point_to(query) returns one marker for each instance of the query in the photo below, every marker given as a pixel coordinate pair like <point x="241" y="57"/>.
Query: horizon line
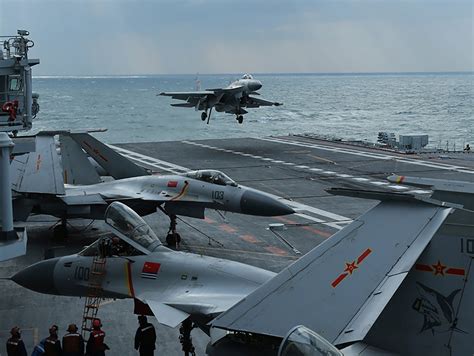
<point x="255" y="73"/>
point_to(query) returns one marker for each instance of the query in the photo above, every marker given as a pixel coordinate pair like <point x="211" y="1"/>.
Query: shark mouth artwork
<point x="438" y="311"/>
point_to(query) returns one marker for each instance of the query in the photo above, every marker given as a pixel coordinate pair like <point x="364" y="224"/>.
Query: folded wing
<point x="340" y="287"/>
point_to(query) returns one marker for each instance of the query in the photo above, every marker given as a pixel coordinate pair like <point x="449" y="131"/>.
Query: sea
<point x="345" y="106"/>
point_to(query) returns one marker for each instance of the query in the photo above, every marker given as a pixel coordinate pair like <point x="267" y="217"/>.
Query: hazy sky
<point x="81" y="37"/>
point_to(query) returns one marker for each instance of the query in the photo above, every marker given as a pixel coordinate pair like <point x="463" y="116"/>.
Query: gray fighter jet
<point x="231" y="99"/>
<point x="396" y="281"/>
<point x="172" y="285"/>
<point x="38" y="184"/>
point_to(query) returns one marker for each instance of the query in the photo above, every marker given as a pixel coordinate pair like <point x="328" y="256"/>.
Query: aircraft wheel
<point x="203" y="116"/>
<point x="240" y="119"/>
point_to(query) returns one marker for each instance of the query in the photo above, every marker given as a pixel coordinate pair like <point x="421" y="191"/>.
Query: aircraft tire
<point x="203" y="116"/>
<point x="240" y="119"/>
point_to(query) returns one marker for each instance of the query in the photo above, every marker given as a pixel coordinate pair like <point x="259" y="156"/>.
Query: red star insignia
<point x="350" y="267"/>
<point x="439" y="268"/>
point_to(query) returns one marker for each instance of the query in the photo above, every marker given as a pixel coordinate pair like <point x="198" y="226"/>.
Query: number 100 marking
<point x="467" y="246"/>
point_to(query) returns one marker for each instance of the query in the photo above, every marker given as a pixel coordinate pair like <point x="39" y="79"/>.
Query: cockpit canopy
<point x="131" y="235"/>
<point x="211" y="176"/>
<point x="247" y="76"/>
<point x="131" y="227"/>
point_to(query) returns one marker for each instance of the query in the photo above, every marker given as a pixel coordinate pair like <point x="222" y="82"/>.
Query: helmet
<point x="53" y="329"/>
<point x="72" y="328"/>
<point x="96" y="323"/>
<point x="15" y="331"/>
<point x="142" y="319"/>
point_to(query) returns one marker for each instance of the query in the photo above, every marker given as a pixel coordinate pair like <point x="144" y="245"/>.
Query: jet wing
<point x="165" y="314"/>
<point x="458" y="192"/>
<point x="77" y="169"/>
<point x="39" y="171"/>
<point x="257" y="102"/>
<point x="340" y="287"/>
<point x="189" y="95"/>
<point x="113" y="162"/>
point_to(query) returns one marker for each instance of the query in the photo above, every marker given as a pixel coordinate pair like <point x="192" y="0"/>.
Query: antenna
<point x="197" y="82"/>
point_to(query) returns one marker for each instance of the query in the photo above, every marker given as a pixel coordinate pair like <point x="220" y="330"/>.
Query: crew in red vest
<point x="96" y="345"/>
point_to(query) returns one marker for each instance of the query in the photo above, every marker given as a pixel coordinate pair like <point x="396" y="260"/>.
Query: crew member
<point x="145" y="337"/>
<point x="52" y="345"/>
<point x="467" y="148"/>
<point x="73" y="343"/>
<point x="15" y="345"/>
<point x="185" y="337"/>
<point x="96" y="345"/>
<point x="173" y="239"/>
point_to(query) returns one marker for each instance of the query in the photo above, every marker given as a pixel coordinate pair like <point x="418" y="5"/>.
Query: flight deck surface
<point x="297" y="169"/>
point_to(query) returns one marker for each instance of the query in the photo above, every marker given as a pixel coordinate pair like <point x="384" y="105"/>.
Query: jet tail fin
<point x="77" y="169"/>
<point x="113" y="162"/>
<point x="39" y="171"/>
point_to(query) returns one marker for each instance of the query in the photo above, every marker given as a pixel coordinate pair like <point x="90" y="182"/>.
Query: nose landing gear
<point x="240" y="118"/>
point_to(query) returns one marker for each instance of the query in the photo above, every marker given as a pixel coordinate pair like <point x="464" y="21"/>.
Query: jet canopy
<point x="131" y="228"/>
<point x="211" y="176"/>
<point x="301" y="341"/>
<point x="247" y="76"/>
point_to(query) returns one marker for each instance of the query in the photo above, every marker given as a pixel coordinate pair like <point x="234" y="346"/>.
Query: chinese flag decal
<point x="150" y="270"/>
<point x="351" y="267"/>
<point x="172" y="184"/>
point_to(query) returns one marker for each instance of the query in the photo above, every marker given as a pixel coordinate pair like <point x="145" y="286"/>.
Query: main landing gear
<point x="205" y="116"/>
<point x="240" y="118"/>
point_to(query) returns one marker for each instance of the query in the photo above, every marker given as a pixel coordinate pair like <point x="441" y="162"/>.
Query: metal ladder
<point x="94" y="294"/>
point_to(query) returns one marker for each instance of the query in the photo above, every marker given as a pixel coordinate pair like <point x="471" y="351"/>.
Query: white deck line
<point x="371" y="155"/>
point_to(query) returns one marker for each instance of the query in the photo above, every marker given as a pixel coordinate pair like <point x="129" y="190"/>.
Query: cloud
<point x="212" y="36"/>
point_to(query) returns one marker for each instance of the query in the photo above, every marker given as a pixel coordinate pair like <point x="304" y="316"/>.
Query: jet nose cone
<point x="256" y="203"/>
<point x="38" y="277"/>
<point x="257" y="85"/>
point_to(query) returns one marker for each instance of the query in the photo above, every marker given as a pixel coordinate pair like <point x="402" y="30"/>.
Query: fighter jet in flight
<point x="169" y="284"/>
<point x="38" y="184"/>
<point x="231" y="99"/>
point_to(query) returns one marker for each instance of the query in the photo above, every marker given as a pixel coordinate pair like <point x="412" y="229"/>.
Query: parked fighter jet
<point x="231" y="99"/>
<point x="393" y="282"/>
<point x="39" y="188"/>
<point x="172" y="285"/>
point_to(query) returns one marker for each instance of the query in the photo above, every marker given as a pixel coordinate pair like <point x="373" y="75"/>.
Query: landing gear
<point x="185" y="338"/>
<point x="173" y="238"/>
<point x="240" y="118"/>
<point x="205" y="116"/>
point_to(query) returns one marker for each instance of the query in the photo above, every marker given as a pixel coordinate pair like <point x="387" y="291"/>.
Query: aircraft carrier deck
<point x="295" y="168"/>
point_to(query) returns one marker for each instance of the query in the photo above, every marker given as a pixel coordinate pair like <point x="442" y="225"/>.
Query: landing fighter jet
<point x="169" y="284"/>
<point x="396" y="281"/>
<point x="231" y="99"/>
<point x="38" y="184"/>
